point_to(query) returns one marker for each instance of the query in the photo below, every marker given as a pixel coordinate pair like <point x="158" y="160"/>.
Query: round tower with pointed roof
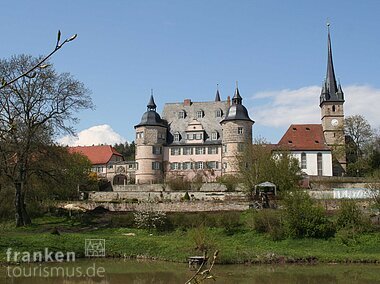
<point x="237" y="132"/>
<point x="150" y="139"/>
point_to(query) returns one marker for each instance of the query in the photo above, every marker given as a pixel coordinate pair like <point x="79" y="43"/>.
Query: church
<point x="203" y="138"/>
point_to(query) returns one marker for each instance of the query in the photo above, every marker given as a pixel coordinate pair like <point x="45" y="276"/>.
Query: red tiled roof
<point x="96" y="154"/>
<point x="304" y="137"/>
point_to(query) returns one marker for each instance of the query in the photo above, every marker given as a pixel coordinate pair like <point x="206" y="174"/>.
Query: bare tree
<point x="33" y="110"/>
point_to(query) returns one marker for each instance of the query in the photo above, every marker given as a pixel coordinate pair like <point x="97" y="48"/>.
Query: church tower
<point x="237" y="131"/>
<point x="332" y="114"/>
<point x="150" y="139"/>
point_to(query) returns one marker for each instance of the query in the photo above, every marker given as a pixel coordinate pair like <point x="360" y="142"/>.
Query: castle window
<point x="189" y="136"/>
<point x="319" y="164"/>
<point x="200" y="114"/>
<point x="294" y="128"/>
<point x="212" y="150"/>
<point x="156" y="165"/>
<point x="218" y="113"/>
<point x="214" y="135"/>
<point x="199" y="165"/>
<point x="199" y="150"/>
<point x="212" y="165"/>
<point x="177" y="137"/>
<point x="224" y="165"/>
<point x="187" y="150"/>
<point x="139" y="135"/>
<point x="187" y="166"/>
<point x="161" y="135"/>
<point x="157" y="150"/>
<point x="175" y="166"/>
<point x="240" y="130"/>
<point x="224" y="148"/>
<point x="303" y="161"/>
<point x="175" y="151"/>
<point x="199" y="136"/>
<point x="307" y="129"/>
<point x="333" y="108"/>
<point x="182" y="114"/>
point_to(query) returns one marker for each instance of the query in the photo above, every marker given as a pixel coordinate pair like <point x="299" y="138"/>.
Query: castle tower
<point x="150" y="138"/>
<point x="332" y="114"/>
<point x="237" y="132"/>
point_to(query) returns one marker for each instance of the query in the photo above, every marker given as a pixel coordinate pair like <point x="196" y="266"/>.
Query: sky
<point x="276" y="50"/>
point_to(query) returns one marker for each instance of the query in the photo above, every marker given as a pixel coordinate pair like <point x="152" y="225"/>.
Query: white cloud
<point x="284" y="107"/>
<point x="95" y="135"/>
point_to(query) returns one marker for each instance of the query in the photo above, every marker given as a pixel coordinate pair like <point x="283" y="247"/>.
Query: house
<point x="307" y="143"/>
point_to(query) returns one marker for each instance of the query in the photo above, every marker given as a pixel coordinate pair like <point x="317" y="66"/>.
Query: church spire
<point x="151" y="104"/>
<point x="330" y="74"/>
<point x="330" y="90"/>
<point x="217" y="96"/>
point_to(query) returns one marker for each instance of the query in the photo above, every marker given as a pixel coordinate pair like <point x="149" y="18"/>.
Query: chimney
<point x="187" y="102"/>
<point x="228" y="100"/>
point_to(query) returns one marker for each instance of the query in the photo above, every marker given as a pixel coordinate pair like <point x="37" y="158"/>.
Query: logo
<point x="95" y="248"/>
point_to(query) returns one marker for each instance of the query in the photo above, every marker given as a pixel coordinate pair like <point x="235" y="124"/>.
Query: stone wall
<point x="163" y="187"/>
<point x="165" y="196"/>
<point x="189" y="206"/>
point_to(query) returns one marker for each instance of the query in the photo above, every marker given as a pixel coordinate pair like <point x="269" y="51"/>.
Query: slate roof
<point x="151" y="117"/>
<point x="98" y="155"/>
<point x="209" y="121"/>
<point x="304" y="137"/>
<point x="331" y="91"/>
<point x="237" y="111"/>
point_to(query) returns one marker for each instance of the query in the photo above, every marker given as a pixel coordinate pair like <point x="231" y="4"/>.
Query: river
<point x="104" y="271"/>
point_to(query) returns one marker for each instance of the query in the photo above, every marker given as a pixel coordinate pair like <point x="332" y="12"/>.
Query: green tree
<point x="33" y="110"/>
<point x="260" y="162"/>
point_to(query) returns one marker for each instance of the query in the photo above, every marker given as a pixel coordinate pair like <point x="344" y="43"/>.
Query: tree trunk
<point x="25" y="215"/>
<point x="19" y="205"/>
<point x="22" y="216"/>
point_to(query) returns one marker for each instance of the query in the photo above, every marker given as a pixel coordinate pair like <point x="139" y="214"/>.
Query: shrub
<point x="201" y="238"/>
<point x="267" y="221"/>
<point x="186" y="197"/>
<point x="303" y="218"/>
<point x="229" y="181"/>
<point x="149" y="218"/>
<point x="350" y="216"/>
<point x="178" y="183"/>
<point x="122" y="220"/>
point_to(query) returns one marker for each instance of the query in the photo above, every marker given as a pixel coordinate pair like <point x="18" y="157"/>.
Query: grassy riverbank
<point x="241" y="246"/>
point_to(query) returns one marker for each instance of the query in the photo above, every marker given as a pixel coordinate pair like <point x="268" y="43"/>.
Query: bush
<point x="201" y="238"/>
<point x="303" y="218"/>
<point x="178" y="183"/>
<point x="266" y="221"/>
<point x="229" y="181"/>
<point x="350" y="216"/>
<point x="122" y="220"/>
<point x="149" y="218"/>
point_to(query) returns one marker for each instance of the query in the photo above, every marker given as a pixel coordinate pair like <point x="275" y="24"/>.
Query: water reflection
<point x="147" y="272"/>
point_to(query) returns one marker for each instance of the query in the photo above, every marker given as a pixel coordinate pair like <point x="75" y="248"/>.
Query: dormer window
<point x="182" y="114"/>
<point x="177" y="137"/>
<point x="214" y="135"/>
<point x="218" y="113"/>
<point x="200" y="114"/>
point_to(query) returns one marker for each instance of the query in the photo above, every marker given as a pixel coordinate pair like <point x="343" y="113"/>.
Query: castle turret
<point x="150" y="139"/>
<point x="237" y="132"/>
<point x="332" y="113"/>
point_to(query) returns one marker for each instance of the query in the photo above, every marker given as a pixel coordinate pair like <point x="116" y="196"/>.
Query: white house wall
<point x="311" y="162"/>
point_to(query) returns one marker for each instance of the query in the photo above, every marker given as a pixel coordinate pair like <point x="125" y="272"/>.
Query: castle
<point x="205" y="137"/>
